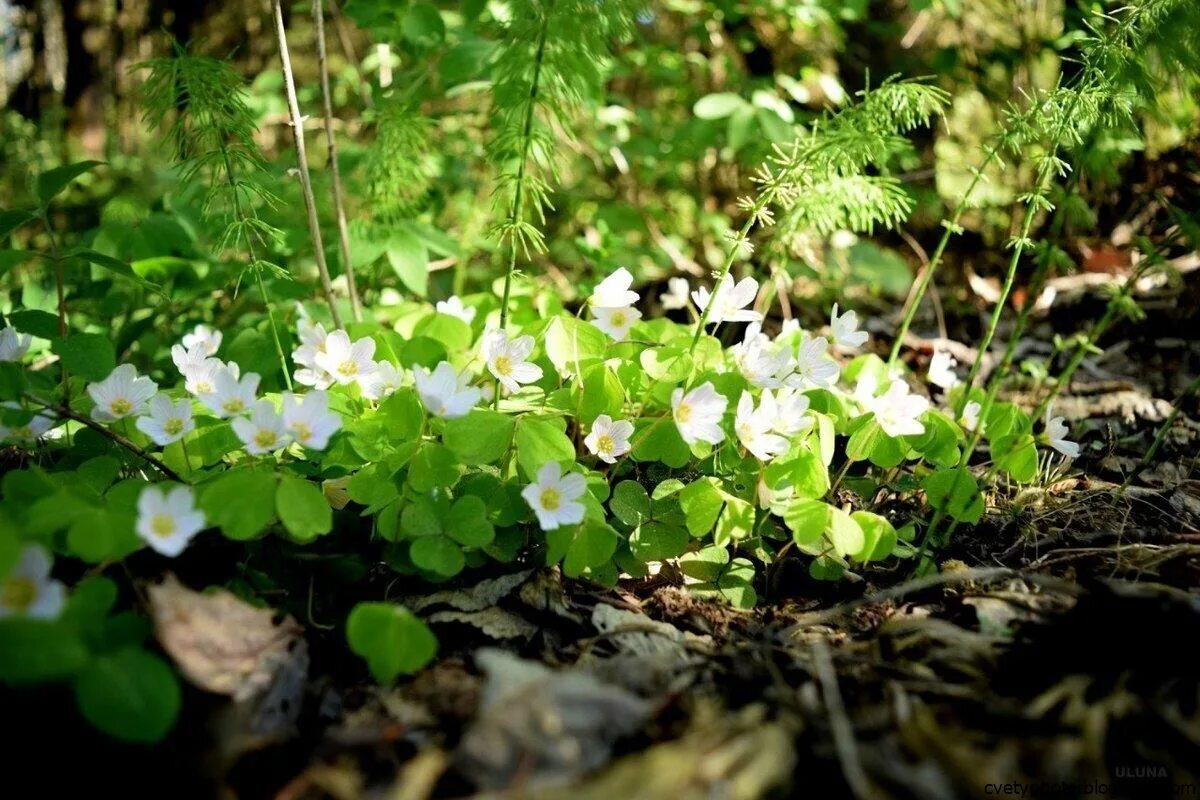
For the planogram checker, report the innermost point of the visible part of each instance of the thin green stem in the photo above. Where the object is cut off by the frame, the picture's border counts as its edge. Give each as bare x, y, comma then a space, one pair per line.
739, 241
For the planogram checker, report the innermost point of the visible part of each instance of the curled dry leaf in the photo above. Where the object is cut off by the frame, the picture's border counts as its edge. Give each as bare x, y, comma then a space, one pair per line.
220, 642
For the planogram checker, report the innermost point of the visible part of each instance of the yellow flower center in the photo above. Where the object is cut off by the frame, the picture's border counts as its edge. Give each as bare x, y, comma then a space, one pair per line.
618, 319
301, 431
204, 387
18, 594
348, 368
551, 499
605, 444
683, 412
173, 426
503, 365
233, 405
265, 439
120, 407
162, 525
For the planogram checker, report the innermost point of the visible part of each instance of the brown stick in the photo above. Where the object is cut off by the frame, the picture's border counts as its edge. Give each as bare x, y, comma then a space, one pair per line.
68, 413
338, 206
310, 203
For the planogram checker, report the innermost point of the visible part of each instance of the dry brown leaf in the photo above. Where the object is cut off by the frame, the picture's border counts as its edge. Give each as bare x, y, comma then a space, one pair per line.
220, 642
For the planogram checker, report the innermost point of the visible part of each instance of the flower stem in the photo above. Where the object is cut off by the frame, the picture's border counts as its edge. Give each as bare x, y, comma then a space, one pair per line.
743, 233
68, 413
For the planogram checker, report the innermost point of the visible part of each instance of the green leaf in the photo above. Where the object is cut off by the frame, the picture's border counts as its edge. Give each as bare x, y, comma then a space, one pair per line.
402, 415
879, 536
702, 504
657, 541
237, 503
954, 493
593, 545
467, 522
801, 471
13, 218
12, 380
630, 503
391, 639
539, 440
670, 364
434, 465
41, 324
423, 25
571, 342
481, 437
50, 183
869, 441
717, 106
88, 355
438, 555
37, 651
253, 352
410, 260
117, 267
302, 508
844, 533
601, 393
452, 332
659, 440
131, 695
807, 520
1016, 455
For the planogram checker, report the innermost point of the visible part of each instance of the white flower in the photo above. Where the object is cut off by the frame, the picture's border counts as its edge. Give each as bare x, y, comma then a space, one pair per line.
676, 296
898, 412
791, 411
609, 440
615, 322
308, 419
753, 427
167, 421
190, 359
444, 392
204, 338
231, 396
1056, 436
842, 240
167, 520
845, 328
385, 380
26, 433
263, 431
762, 362
970, 415
28, 591
202, 379
731, 300
508, 361
312, 344
454, 308
123, 393
814, 368
698, 413
941, 370
614, 291
347, 362
13, 345
554, 497
865, 389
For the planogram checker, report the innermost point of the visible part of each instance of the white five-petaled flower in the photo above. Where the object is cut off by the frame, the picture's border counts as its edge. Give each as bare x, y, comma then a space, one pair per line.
313, 337
345, 361
385, 380
123, 393
791, 411
202, 379
814, 367
444, 392
941, 370
28, 590
263, 431
698, 413
753, 427
676, 296
189, 359
508, 361
204, 338
970, 415
231, 396
27, 433
167, 421
167, 520
554, 497
13, 345
898, 411
453, 307
608, 439
308, 419
762, 362
615, 322
614, 291
1056, 436
729, 304
845, 328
